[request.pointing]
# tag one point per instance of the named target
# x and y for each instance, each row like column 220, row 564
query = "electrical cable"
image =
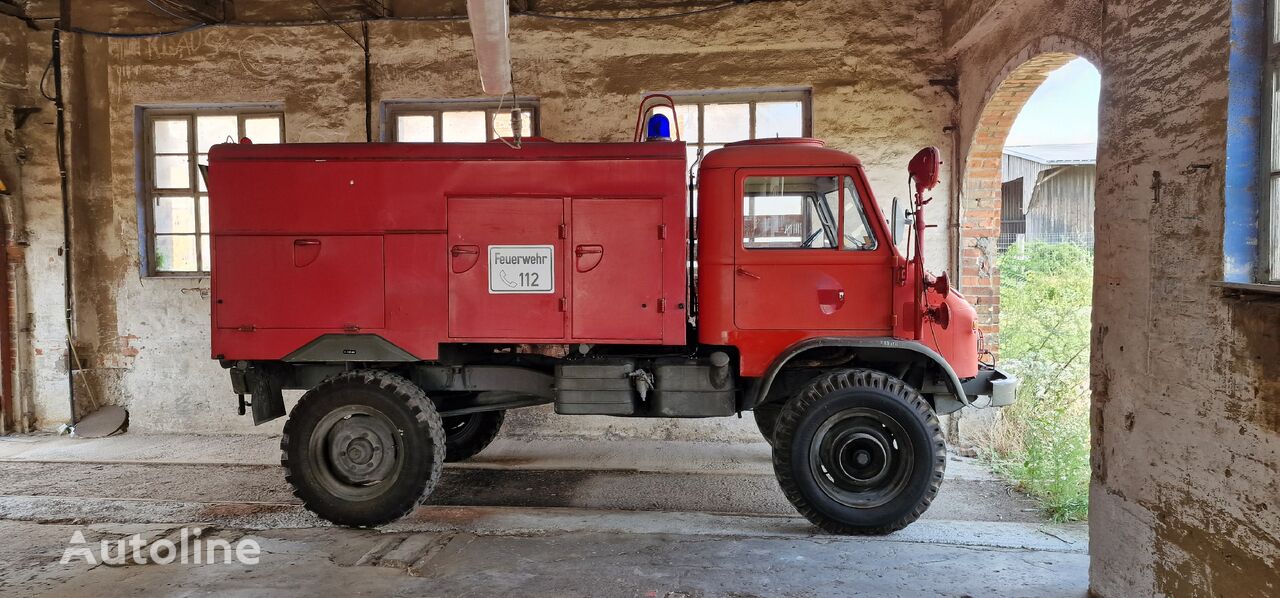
column 658, row 17
column 175, row 15
column 329, row 18
column 339, row 22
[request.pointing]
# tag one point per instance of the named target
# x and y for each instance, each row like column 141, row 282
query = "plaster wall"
column 144, row 340
column 1186, row 389
column 1186, row 379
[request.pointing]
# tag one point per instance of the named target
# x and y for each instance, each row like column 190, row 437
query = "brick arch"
column 980, row 188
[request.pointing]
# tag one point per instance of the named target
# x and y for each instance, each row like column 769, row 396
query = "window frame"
column 149, row 192
column 393, row 110
column 878, row 231
column 1268, row 266
column 751, row 97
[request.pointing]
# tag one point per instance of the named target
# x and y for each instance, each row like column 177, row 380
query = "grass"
column 1042, row 441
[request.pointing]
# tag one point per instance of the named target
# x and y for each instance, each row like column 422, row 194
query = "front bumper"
column 1000, row 387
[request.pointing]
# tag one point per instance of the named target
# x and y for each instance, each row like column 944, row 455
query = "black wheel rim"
column 861, row 458
column 460, row 426
column 355, row 452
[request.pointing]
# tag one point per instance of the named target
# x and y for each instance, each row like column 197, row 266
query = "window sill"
column 1242, row 289
column 175, row 276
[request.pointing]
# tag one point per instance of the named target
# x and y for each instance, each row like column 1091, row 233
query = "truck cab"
column 416, row 292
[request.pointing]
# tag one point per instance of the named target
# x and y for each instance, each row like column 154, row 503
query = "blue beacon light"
column 659, row 128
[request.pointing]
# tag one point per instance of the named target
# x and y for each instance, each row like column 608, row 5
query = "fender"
column 888, row 344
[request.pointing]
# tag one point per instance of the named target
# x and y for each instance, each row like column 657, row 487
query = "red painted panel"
column 318, row 282
column 476, row 224
column 417, row 286
column 617, row 269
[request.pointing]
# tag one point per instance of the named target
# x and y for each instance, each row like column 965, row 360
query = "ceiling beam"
column 11, row 8
column 209, row 11
column 377, row 9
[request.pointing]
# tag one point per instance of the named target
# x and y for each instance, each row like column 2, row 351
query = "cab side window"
column 858, row 234
column 791, row 212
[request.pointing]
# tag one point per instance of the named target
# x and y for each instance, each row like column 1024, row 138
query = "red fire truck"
column 418, row 291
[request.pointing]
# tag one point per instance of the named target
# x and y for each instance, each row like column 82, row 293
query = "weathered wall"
column 1186, row 381
column 144, row 339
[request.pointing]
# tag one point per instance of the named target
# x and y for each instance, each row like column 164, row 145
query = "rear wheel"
column 363, row 448
column 467, row 435
column 859, row 452
column 766, row 416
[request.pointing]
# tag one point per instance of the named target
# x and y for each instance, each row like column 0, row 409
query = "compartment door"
column 505, row 274
column 311, row 282
column 616, row 268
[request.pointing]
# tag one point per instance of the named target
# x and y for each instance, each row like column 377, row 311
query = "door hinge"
column 563, row 231
column 662, row 306
column 662, row 231
column 564, row 304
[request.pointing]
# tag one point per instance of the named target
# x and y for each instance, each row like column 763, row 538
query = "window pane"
column 502, row 123
column 779, row 119
column 204, row 255
column 262, row 129
column 1275, row 229
column 173, row 172
column 464, row 126
column 687, row 120
column 416, row 128
column 201, row 159
column 175, row 253
column 724, row 123
column 797, row 212
column 170, row 136
column 212, row 130
column 175, row 215
column 204, row 213
column 858, row 235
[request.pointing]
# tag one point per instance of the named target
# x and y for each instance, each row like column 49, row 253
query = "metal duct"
column 490, row 21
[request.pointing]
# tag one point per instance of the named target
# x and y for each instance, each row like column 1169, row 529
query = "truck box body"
column 424, row 244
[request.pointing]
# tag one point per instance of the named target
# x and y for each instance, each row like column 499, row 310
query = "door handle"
column 748, row 274
column 464, row 257
column 305, row 251
column 585, row 263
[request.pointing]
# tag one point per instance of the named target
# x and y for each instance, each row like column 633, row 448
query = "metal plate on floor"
column 101, row 423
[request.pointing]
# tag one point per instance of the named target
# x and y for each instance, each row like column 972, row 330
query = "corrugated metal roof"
column 1056, row 154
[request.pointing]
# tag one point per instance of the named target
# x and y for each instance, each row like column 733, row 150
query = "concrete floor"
column 563, row 517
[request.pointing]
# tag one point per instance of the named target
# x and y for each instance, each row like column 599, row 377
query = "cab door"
column 811, row 256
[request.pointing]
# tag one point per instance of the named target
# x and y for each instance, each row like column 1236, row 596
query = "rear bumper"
column 999, row 387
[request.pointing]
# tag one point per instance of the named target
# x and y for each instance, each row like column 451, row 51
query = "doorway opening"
column 1027, row 264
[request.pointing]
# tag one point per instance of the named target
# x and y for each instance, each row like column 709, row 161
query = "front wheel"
column 363, row 448
column 859, row 452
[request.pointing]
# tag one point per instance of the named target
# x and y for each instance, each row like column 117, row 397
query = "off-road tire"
column 420, row 442
column 464, row 440
column 825, row 399
column 766, row 416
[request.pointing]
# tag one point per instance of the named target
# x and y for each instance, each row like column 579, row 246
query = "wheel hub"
column 861, row 457
column 361, row 450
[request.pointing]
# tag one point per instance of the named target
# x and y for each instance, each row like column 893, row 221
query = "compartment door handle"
column 589, row 257
column 305, row 251
column 464, row 257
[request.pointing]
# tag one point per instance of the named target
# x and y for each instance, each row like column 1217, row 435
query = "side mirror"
column 898, row 221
